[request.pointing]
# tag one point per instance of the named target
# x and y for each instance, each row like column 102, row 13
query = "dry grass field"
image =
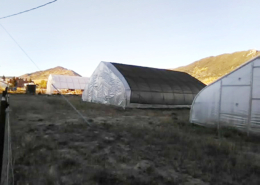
column 52, row 145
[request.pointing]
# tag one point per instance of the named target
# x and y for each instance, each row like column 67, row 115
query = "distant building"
column 29, row 83
column 8, row 78
column 21, row 82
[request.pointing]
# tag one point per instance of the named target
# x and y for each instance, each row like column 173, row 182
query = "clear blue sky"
column 78, row 34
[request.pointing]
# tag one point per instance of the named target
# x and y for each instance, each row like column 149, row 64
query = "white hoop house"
column 143, row 87
column 232, row 101
column 63, row 82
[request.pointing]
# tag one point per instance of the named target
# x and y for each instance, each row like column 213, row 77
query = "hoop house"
column 63, row 82
column 135, row 86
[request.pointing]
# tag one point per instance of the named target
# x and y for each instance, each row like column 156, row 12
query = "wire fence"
column 7, row 168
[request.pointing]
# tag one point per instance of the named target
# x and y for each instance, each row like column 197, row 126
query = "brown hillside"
column 212, row 68
column 43, row 75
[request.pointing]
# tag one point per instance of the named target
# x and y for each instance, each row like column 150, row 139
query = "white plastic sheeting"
column 3, row 84
column 106, row 86
column 66, row 82
column 233, row 100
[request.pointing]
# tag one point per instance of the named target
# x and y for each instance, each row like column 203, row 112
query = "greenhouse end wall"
column 106, row 87
column 232, row 101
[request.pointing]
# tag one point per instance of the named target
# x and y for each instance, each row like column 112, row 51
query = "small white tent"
column 65, row 82
column 232, row 101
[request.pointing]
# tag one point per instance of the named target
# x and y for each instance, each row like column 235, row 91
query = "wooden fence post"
column 4, row 105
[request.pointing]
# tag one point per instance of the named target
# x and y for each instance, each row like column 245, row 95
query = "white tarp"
column 233, row 100
column 105, row 86
column 3, row 84
column 66, row 82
